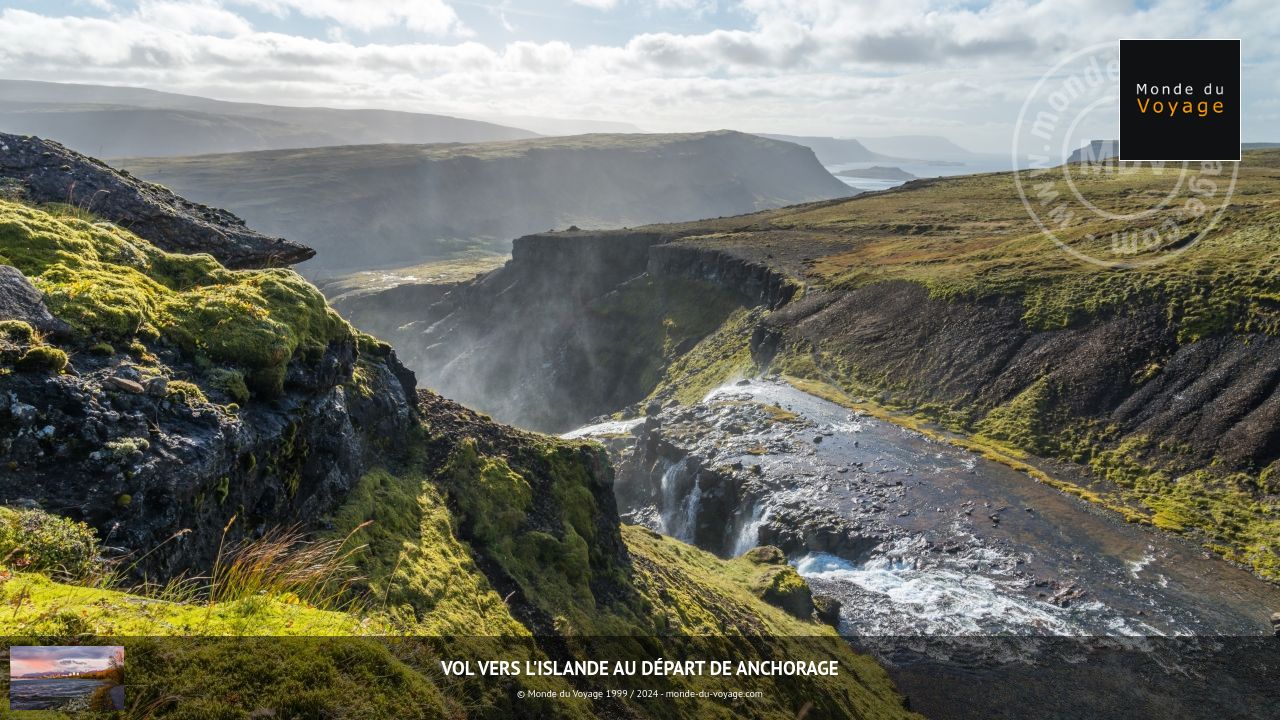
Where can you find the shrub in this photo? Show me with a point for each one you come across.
(38, 541)
(42, 358)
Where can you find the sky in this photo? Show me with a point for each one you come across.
(30, 660)
(843, 68)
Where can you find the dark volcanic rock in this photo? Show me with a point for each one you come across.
(142, 466)
(48, 172)
(20, 300)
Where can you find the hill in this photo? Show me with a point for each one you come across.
(108, 121)
(365, 207)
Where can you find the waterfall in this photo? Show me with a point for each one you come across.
(670, 495)
(688, 528)
(749, 534)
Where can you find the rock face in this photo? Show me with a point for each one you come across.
(42, 171)
(156, 435)
(559, 334)
(19, 300)
(140, 462)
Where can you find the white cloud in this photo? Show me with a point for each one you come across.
(801, 66)
(597, 4)
(426, 16)
(192, 16)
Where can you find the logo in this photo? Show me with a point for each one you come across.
(1096, 207)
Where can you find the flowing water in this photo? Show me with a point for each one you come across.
(963, 545)
(983, 592)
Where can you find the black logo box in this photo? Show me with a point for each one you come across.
(1185, 65)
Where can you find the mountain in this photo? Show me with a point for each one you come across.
(108, 121)
(831, 151)
(1095, 151)
(376, 206)
(920, 147)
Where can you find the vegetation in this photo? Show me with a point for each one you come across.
(39, 542)
(112, 286)
(650, 324)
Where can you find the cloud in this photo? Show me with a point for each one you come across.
(426, 16)
(597, 4)
(192, 16)
(801, 66)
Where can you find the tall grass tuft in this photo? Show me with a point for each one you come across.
(283, 563)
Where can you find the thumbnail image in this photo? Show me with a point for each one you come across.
(66, 677)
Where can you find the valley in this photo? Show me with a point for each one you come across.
(372, 207)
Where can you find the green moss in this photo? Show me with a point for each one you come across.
(42, 358)
(783, 587)
(185, 392)
(370, 345)
(113, 613)
(719, 357)
(1023, 420)
(18, 331)
(111, 285)
(102, 349)
(37, 541)
(230, 382)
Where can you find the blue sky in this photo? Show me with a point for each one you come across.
(826, 67)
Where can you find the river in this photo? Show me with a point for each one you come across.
(922, 541)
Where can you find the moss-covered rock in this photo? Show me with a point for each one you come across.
(111, 286)
(42, 358)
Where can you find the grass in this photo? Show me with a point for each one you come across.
(969, 238)
(284, 562)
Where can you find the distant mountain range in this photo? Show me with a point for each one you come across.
(840, 151)
(919, 147)
(1095, 151)
(381, 206)
(106, 121)
(831, 151)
